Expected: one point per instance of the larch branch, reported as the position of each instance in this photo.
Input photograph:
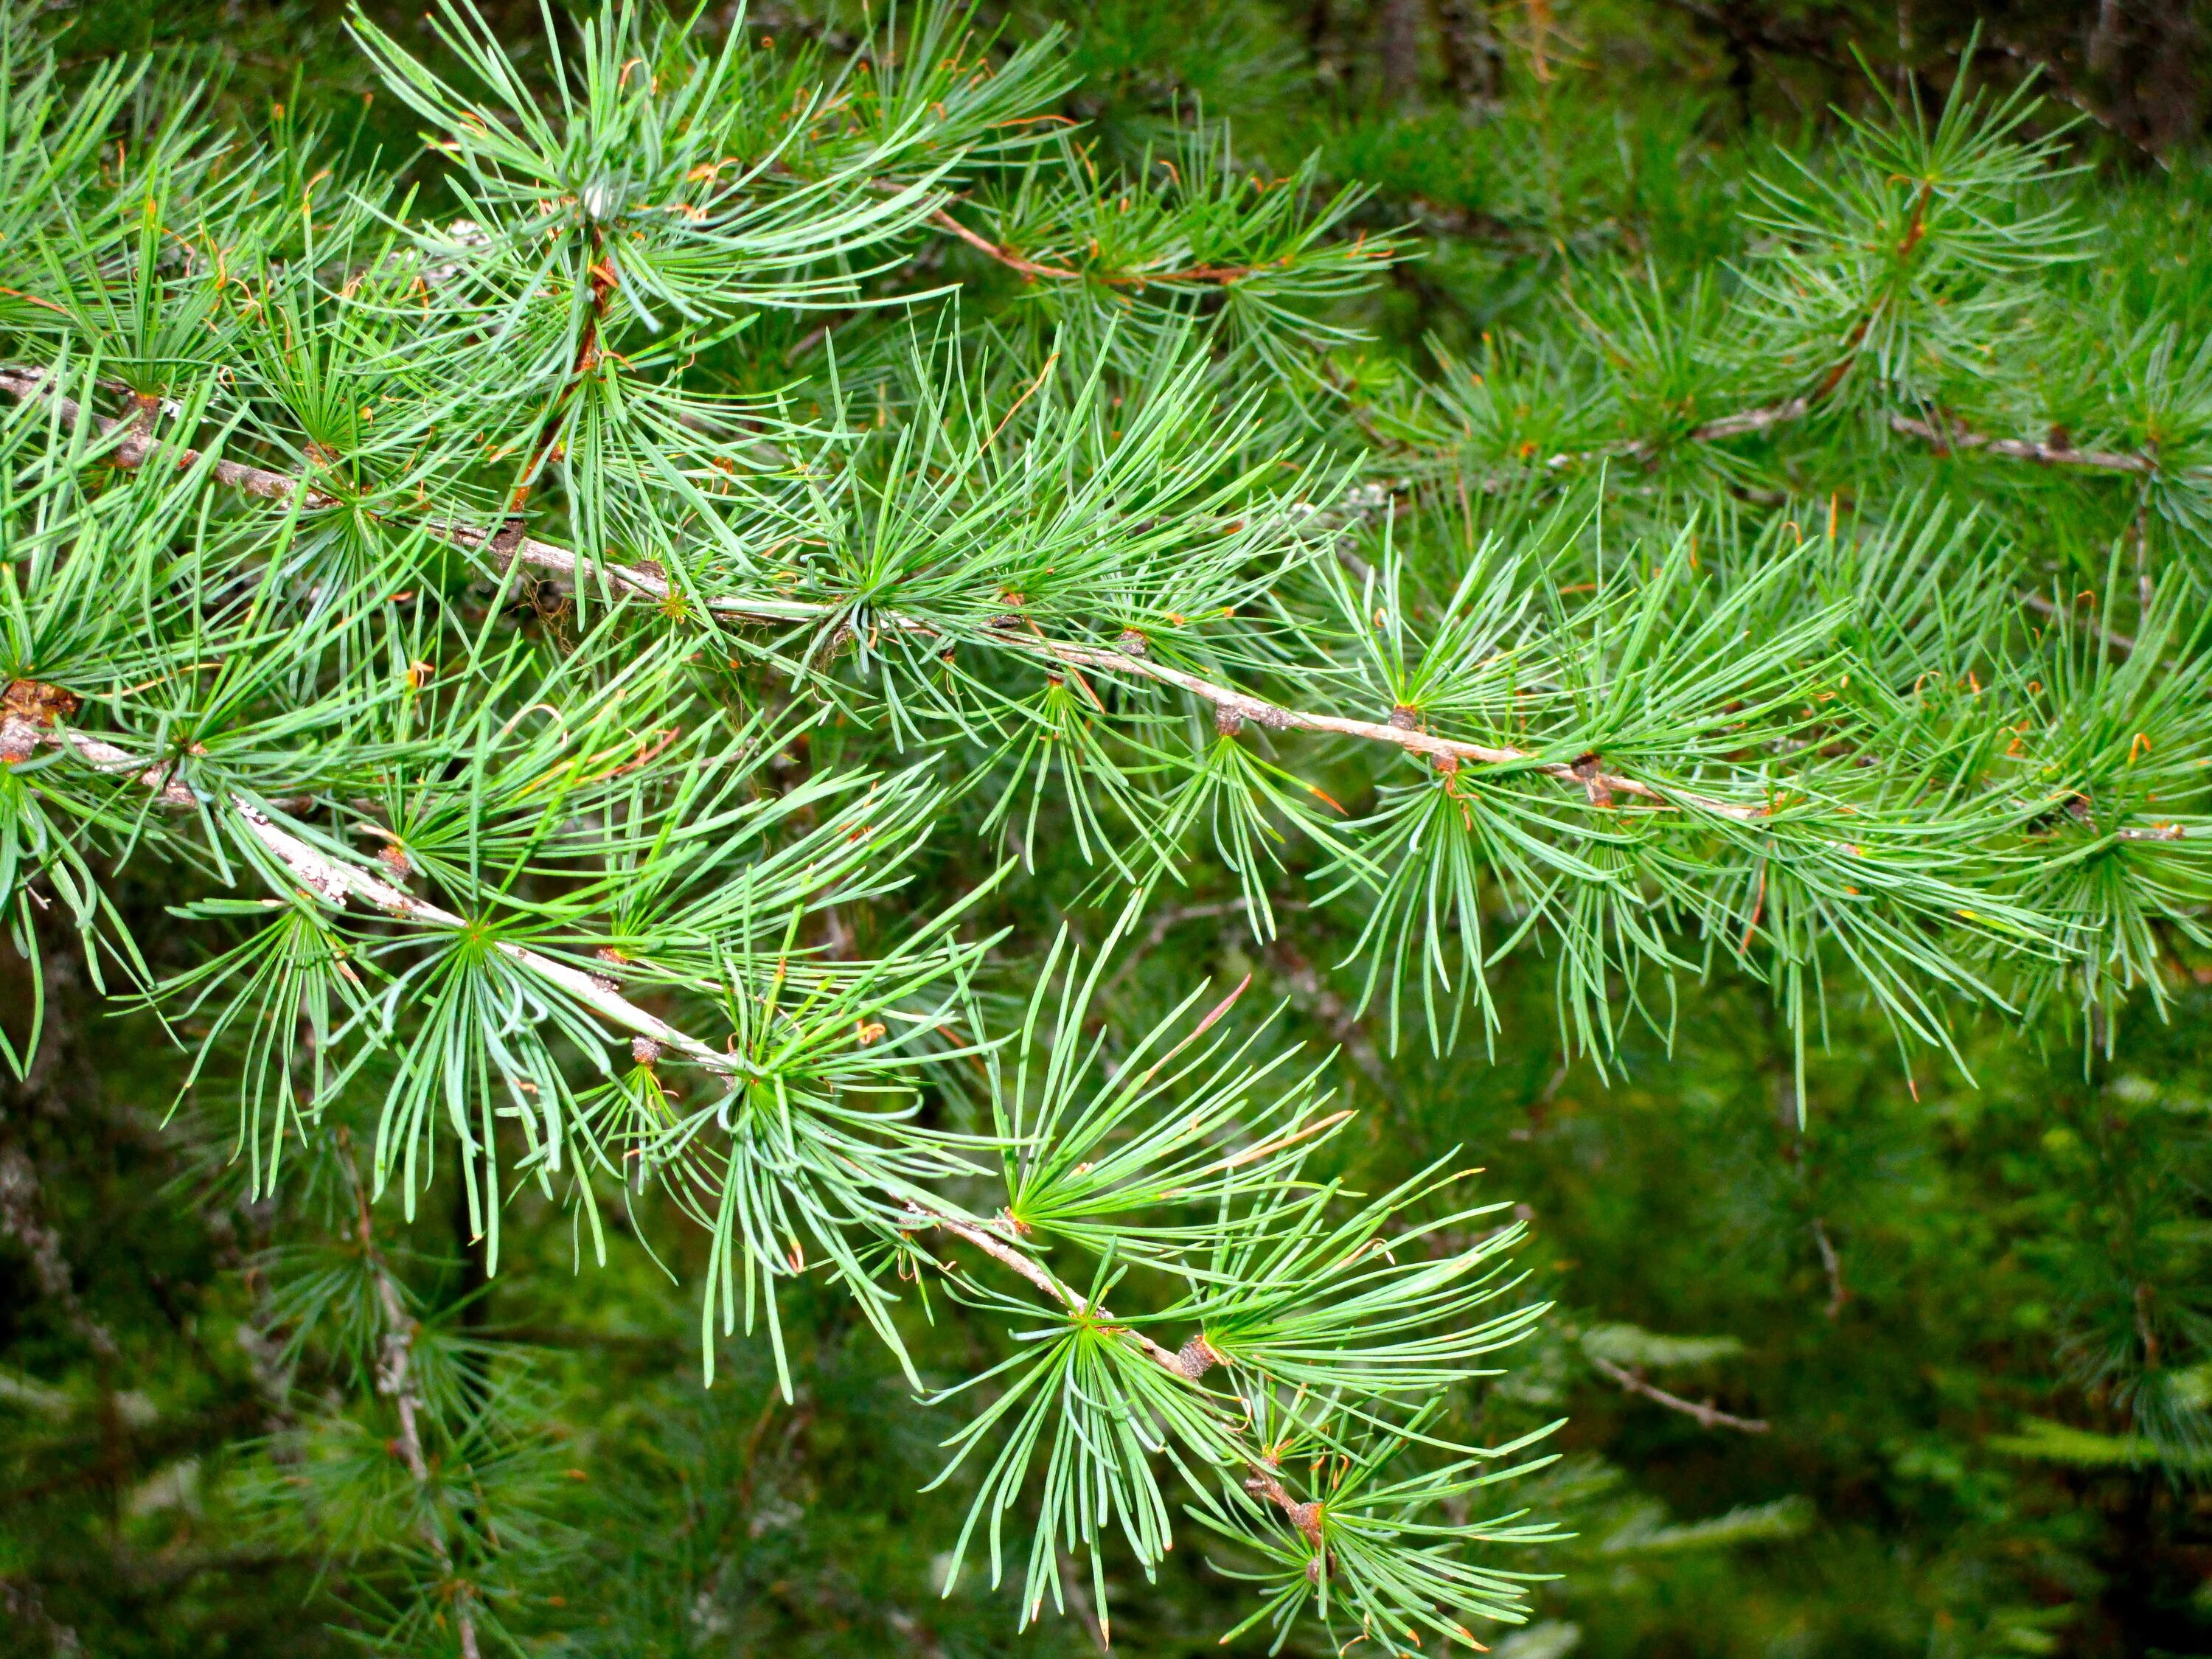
(135, 452)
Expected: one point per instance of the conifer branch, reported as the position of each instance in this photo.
(1187, 1365)
(335, 880)
(1945, 438)
(1232, 705)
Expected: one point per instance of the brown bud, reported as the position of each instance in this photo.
(1585, 767)
(1197, 1357)
(1404, 719)
(1226, 720)
(39, 704)
(644, 1050)
(1129, 642)
(393, 858)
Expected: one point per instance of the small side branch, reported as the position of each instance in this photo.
(1036, 1272)
(1028, 269)
(2023, 449)
(1710, 1415)
(1945, 438)
(395, 1380)
(335, 880)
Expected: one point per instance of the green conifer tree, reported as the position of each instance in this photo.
(609, 632)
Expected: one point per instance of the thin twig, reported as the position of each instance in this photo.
(1948, 437)
(1582, 774)
(1708, 1414)
(334, 880)
(1832, 1264)
(2023, 449)
(1013, 1256)
(1030, 270)
(395, 1379)
(138, 447)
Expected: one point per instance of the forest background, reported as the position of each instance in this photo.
(1838, 1368)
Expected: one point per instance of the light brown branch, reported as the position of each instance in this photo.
(1707, 1414)
(138, 447)
(1029, 269)
(335, 880)
(1746, 422)
(2023, 449)
(1020, 1261)
(1582, 773)
(1195, 1359)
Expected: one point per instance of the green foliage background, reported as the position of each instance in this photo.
(1970, 1317)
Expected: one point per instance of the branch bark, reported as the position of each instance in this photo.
(2023, 449)
(1030, 270)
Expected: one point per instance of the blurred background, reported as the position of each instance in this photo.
(1920, 1364)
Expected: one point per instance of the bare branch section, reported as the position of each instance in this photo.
(2062, 454)
(1707, 1413)
(1946, 437)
